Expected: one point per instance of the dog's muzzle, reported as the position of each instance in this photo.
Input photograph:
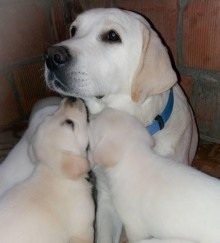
(56, 56)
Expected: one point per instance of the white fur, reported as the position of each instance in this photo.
(134, 75)
(153, 196)
(17, 166)
(54, 204)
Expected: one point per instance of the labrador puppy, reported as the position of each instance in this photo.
(155, 197)
(54, 205)
(17, 165)
(115, 59)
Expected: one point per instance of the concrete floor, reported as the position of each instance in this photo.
(208, 158)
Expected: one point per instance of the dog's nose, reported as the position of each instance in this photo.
(55, 56)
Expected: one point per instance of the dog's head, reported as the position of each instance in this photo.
(61, 140)
(110, 51)
(112, 134)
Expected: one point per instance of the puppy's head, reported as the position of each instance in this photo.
(112, 134)
(40, 111)
(61, 140)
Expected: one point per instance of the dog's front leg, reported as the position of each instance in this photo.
(108, 225)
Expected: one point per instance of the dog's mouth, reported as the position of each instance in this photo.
(60, 85)
(55, 84)
(99, 97)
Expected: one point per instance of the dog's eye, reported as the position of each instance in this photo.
(111, 36)
(69, 123)
(72, 31)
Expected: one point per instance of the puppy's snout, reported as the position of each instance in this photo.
(72, 102)
(56, 56)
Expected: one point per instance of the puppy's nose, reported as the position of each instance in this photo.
(56, 56)
(71, 100)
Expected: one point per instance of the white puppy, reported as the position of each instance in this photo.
(154, 196)
(115, 59)
(17, 166)
(54, 205)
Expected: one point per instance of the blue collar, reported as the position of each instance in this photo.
(160, 120)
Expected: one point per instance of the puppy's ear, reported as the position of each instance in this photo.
(155, 73)
(32, 153)
(74, 166)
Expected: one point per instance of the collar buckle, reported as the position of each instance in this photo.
(159, 119)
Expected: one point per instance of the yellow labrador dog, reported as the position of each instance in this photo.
(54, 205)
(17, 165)
(155, 197)
(115, 59)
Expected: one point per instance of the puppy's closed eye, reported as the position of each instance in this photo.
(70, 123)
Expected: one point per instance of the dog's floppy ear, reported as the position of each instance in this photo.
(74, 166)
(154, 74)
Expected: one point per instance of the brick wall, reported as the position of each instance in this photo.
(27, 28)
(189, 27)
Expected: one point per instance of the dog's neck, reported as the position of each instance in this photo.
(145, 112)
